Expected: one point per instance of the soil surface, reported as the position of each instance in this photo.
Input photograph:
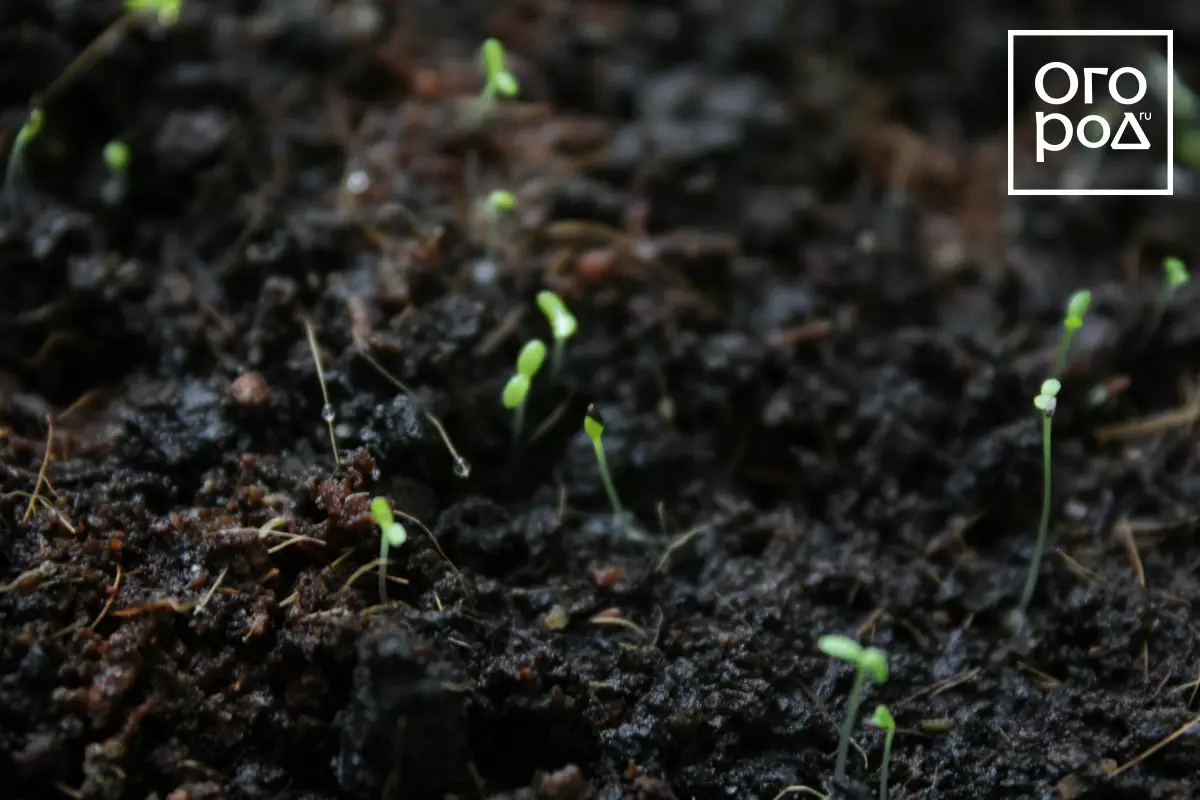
(811, 319)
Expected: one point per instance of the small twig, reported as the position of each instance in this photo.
(41, 478)
(31, 577)
(679, 542)
(112, 596)
(1079, 569)
(166, 604)
(604, 618)
(212, 590)
(364, 569)
(1050, 681)
(1181, 731)
(798, 789)
(327, 409)
(1155, 423)
(1125, 533)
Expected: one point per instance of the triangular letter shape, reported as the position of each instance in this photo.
(1129, 120)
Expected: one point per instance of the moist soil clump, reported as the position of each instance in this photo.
(810, 317)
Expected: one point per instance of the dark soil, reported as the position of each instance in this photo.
(810, 315)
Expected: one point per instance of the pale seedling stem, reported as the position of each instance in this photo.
(1176, 277)
(327, 412)
(593, 426)
(1046, 402)
(1077, 307)
(391, 534)
(870, 662)
(883, 719)
(562, 324)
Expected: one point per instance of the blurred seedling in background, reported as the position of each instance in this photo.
(870, 662)
(498, 81)
(1175, 277)
(164, 12)
(391, 534)
(529, 361)
(562, 325)
(498, 203)
(17, 169)
(593, 426)
(1046, 402)
(462, 467)
(117, 158)
(1077, 308)
(882, 719)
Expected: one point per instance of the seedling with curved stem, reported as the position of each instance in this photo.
(16, 157)
(1046, 402)
(497, 79)
(499, 203)
(116, 157)
(882, 718)
(391, 534)
(562, 325)
(593, 426)
(529, 361)
(871, 662)
(1077, 308)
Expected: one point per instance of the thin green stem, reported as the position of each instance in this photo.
(383, 554)
(1063, 347)
(606, 478)
(887, 757)
(860, 682)
(1044, 526)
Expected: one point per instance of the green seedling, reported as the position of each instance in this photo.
(499, 203)
(562, 325)
(391, 534)
(165, 11)
(116, 157)
(593, 426)
(497, 79)
(1175, 277)
(1047, 403)
(870, 662)
(529, 361)
(1077, 308)
(16, 158)
(883, 719)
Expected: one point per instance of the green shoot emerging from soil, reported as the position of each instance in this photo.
(529, 361)
(593, 426)
(16, 158)
(562, 324)
(1077, 308)
(166, 11)
(1175, 274)
(499, 203)
(883, 719)
(1046, 402)
(391, 534)
(871, 662)
(498, 80)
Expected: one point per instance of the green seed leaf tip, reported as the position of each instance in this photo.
(1177, 273)
(116, 156)
(381, 512)
(396, 534)
(515, 391)
(530, 360)
(875, 661)
(882, 718)
(1077, 308)
(593, 424)
(502, 200)
(493, 58)
(841, 647)
(1051, 387)
(550, 304)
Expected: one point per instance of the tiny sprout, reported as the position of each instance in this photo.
(593, 426)
(871, 662)
(1177, 274)
(883, 719)
(529, 361)
(391, 534)
(1077, 308)
(562, 324)
(116, 156)
(1046, 402)
(167, 11)
(498, 80)
(498, 203)
(16, 158)
(501, 200)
